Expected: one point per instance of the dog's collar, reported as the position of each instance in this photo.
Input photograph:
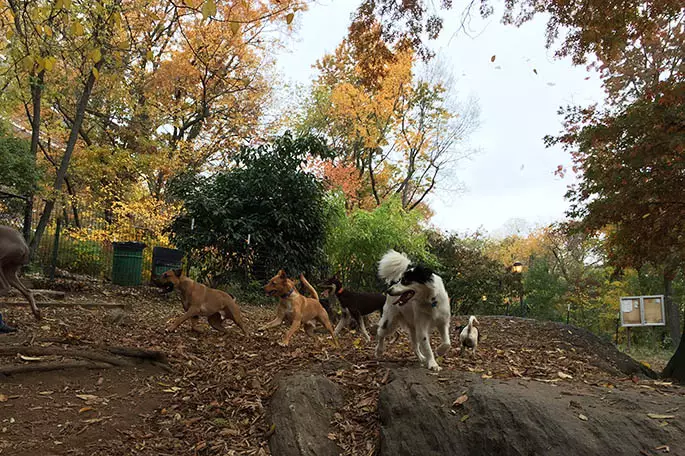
(292, 290)
(339, 291)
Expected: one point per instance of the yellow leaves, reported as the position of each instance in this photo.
(96, 73)
(208, 9)
(49, 63)
(9, 33)
(27, 63)
(149, 55)
(235, 27)
(289, 18)
(77, 29)
(95, 55)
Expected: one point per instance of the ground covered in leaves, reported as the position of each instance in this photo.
(214, 398)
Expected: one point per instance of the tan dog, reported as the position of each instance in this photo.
(202, 301)
(301, 309)
(14, 253)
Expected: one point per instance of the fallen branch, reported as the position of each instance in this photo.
(45, 367)
(67, 353)
(142, 353)
(59, 295)
(86, 305)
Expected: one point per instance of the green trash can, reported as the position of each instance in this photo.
(127, 265)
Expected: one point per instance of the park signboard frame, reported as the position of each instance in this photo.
(642, 311)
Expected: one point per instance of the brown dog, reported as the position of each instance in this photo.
(301, 309)
(202, 301)
(14, 253)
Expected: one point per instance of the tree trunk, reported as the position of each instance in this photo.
(672, 310)
(676, 366)
(36, 99)
(71, 143)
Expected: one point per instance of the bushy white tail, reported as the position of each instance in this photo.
(472, 320)
(392, 266)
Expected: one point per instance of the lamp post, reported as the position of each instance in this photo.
(517, 269)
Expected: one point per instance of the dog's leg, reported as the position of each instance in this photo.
(415, 345)
(179, 321)
(4, 286)
(362, 328)
(280, 316)
(323, 318)
(297, 321)
(214, 321)
(309, 329)
(11, 276)
(445, 342)
(233, 312)
(344, 322)
(386, 326)
(423, 336)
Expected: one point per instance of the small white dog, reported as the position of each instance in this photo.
(469, 335)
(415, 298)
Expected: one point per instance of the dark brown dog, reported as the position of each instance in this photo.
(355, 305)
(202, 301)
(301, 309)
(14, 253)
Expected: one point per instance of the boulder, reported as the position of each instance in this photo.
(301, 410)
(520, 418)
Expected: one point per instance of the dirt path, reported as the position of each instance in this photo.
(215, 399)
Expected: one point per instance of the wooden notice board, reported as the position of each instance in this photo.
(642, 311)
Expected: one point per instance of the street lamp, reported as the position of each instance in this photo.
(517, 269)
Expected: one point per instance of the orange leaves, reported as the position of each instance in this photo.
(343, 177)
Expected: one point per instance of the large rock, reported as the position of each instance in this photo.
(302, 409)
(521, 418)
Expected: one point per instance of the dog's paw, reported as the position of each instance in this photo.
(434, 367)
(443, 349)
(282, 343)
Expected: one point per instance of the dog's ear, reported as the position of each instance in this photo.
(178, 272)
(282, 274)
(422, 274)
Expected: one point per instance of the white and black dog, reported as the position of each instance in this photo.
(416, 298)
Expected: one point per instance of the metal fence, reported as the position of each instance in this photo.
(75, 240)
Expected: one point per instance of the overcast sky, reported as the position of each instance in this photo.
(511, 178)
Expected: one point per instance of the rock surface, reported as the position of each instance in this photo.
(520, 417)
(301, 410)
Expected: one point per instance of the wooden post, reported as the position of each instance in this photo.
(628, 336)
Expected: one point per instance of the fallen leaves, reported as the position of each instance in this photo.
(582, 417)
(3, 398)
(564, 375)
(29, 358)
(657, 416)
(460, 400)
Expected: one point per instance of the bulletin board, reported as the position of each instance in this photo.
(643, 311)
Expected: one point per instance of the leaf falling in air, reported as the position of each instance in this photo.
(492, 59)
(535, 71)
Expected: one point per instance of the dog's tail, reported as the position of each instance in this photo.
(472, 320)
(392, 266)
(309, 288)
